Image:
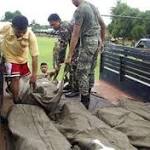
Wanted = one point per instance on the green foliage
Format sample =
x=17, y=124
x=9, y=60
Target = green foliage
x=147, y=22
x=46, y=50
x=10, y=15
x=35, y=26
x=138, y=32
x=126, y=27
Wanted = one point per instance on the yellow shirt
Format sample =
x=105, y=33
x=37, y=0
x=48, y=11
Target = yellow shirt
x=15, y=50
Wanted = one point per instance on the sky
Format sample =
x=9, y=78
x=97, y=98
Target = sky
x=39, y=10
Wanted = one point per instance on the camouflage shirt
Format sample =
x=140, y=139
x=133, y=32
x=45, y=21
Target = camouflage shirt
x=86, y=15
x=64, y=34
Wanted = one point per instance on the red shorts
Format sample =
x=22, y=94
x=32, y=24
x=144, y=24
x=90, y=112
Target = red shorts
x=13, y=70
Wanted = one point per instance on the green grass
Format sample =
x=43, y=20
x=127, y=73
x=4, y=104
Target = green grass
x=46, y=51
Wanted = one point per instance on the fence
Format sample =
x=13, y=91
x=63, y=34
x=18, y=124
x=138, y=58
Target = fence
x=127, y=68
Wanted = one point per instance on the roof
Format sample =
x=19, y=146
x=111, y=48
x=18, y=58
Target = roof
x=145, y=39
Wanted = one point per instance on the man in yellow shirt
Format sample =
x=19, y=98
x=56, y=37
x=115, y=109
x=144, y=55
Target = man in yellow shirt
x=17, y=40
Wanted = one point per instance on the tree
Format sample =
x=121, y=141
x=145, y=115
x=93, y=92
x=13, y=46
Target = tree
x=138, y=32
x=10, y=15
x=135, y=26
x=147, y=22
x=35, y=26
x=120, y=27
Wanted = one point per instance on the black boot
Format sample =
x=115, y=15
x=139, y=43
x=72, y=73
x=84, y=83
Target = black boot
x=85, y=100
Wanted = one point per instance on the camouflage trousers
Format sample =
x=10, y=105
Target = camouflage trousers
x=85, y=71
x=59, y=57
x=73, y=81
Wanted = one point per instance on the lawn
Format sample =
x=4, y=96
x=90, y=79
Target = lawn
x=46, y=48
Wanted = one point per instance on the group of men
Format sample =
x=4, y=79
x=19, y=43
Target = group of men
x=85, y=35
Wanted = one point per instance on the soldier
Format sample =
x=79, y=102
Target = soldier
x=64, y=30
x=73, y=79
x=90, y=27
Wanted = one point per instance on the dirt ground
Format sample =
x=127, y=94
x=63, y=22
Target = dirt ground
x=111, y=92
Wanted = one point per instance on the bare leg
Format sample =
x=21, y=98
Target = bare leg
x=15, y=88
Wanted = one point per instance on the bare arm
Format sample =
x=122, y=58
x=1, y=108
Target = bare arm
x=103, y=29
x=34, y=65
x=34, y=54
x=34, y=71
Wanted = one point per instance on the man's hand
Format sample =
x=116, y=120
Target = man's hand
x=52, y=73
x=33, y=81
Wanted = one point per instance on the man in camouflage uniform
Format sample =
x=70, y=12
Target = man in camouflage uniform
x=90, y=27
x=64, y=30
